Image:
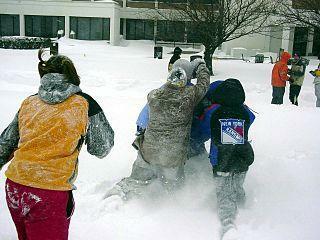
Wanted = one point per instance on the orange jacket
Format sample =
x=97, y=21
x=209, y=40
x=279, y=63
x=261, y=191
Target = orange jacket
x=47, y=155
x=280, y=71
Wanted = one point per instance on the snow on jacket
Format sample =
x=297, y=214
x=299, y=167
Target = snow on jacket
x=280, y=71
x=143, y=118
x=298, y=70
x=166, y=139
x=230, y=121
x=47, y=133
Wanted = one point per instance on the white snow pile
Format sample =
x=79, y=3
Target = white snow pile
x=282, y=186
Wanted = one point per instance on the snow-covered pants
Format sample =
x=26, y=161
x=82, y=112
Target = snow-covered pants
x=144, y=173
x=294, y=92
x=277, y=95
x=230, y=194
x=317, y=93
x=39, y=214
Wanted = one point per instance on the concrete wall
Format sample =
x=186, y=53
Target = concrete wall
x=256, y=41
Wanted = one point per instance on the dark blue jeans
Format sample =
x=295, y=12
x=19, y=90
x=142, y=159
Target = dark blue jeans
x=277, y=95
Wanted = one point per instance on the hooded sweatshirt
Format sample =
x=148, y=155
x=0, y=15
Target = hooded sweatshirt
x=48, y=132
x=230, y=121
x=280, y=71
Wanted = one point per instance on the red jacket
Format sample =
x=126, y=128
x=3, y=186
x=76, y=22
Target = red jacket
x=280, y=71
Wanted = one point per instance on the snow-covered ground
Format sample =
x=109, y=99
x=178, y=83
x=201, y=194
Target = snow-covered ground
x=283, y=187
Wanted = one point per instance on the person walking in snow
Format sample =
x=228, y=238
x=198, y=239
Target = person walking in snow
x=296, y=73
x=176, y=56
x=279, y=78
x=42, y=144
x=316, y=82
x=231, y=153
x=163, y=147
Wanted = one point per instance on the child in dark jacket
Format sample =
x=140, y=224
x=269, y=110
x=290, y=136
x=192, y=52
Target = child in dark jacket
x=231, y=153
x=176, y=56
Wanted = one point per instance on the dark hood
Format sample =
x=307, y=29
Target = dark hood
x=229, y=93
x=54, y=88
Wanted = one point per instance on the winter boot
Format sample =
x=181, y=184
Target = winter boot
x=231, y=234
x=116, y=191
x=228, y=232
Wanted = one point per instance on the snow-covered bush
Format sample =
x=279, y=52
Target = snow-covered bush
x=24, y=42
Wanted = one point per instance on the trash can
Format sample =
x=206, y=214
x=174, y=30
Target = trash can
x=54, y=48
x=158, y=52
x=193, y=57
x=259, y=58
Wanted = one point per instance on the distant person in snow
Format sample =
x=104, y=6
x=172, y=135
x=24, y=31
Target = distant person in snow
x=297, y=72
x=43, y=143
x=176, y=55
x=231, y=153
x=279, y=78
x=163, y=145
x=316, y=82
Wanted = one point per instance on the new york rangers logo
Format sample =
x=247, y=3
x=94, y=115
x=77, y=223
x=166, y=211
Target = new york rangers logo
x=232, y=131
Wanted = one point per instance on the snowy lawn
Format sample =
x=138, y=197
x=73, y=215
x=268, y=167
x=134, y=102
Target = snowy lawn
x=282, y=186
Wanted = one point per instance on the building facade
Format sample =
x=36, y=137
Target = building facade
x=133, y=20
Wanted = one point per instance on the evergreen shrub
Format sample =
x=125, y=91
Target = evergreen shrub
x=24, y=42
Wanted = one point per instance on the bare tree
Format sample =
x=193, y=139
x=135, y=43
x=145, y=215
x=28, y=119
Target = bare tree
x=299, y=12
x=217, y=21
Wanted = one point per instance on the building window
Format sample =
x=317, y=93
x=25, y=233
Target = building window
x=300, y=40
x=86, y=28
x=43, y=26
x=170, y=31
x=139, y=29
x=316, y=43
x=9, y=25
x=193, y=35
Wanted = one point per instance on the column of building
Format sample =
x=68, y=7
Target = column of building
x=22, y=25
x=115, y=26
x=287, y=39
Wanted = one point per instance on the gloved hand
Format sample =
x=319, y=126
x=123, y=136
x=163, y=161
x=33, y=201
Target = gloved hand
x=195, y=65
x=312, y=73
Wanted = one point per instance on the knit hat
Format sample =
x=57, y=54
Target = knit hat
x=177, y=77
x=177, y=50
x=229, y=93
x=186, y=66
